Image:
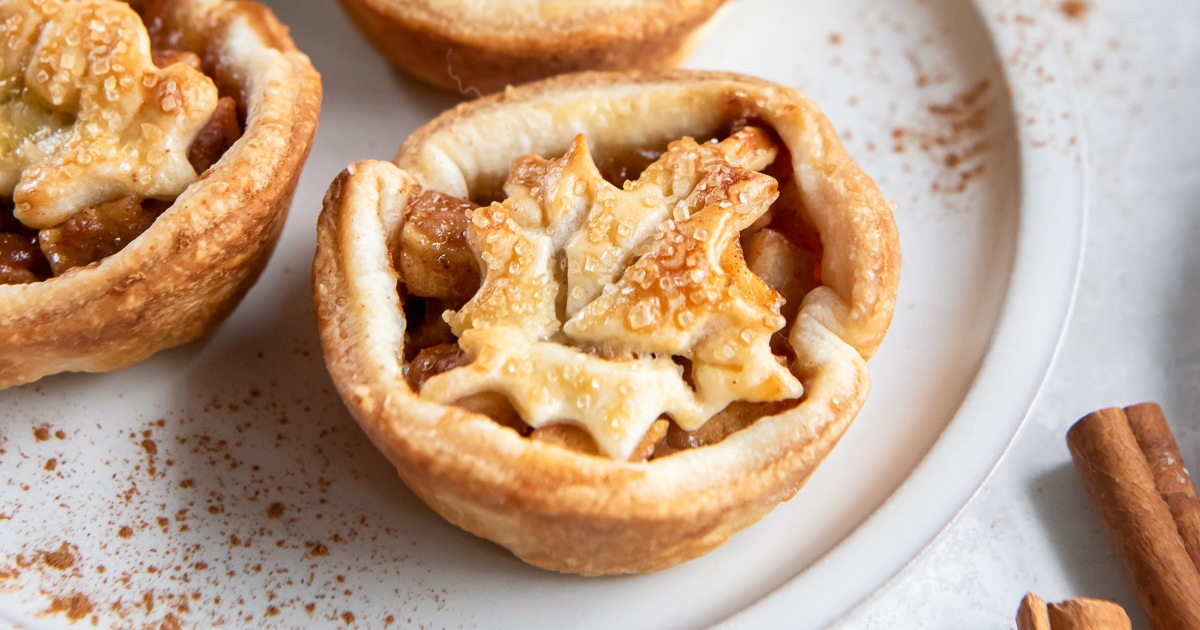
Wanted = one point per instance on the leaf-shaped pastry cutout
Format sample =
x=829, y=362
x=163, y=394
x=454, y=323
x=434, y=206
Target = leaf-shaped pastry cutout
x=547, y=382
x=621, y=221
x=88, y=116
x=640, y=276
x=692, y=296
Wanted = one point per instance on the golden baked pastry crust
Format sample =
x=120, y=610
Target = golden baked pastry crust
x=185, y=273
x=480, y=47
x=551, y=506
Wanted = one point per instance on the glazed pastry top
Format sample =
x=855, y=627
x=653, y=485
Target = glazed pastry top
x=87, y=114
x=595, y=297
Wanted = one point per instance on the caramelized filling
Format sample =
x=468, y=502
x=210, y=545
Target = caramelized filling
x=434, y=360
x=96, y=232
x=433, y=256
x=440, y=277
x=21, y=260
x=216, y=136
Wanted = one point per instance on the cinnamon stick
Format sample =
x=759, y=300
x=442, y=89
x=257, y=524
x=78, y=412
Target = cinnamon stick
x=1154, y=438
x=1122, y=487
x=1185, y=510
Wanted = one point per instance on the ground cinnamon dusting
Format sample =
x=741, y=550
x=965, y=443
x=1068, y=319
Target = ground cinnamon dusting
x=1075, y=9
x=76, y=606
x=61, y=559
x=244, y=528
x=958, y=133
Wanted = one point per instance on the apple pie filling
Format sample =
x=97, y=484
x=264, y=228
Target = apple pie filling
x=102, y=125
x=629, y=321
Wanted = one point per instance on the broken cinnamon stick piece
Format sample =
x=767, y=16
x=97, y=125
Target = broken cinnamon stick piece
x=1082, y=613
x=1088, y=614
x=1033, y=614
x=1138, y=522
x=1154, y=438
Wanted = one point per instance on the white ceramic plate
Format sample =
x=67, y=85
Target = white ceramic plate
x=223, y=482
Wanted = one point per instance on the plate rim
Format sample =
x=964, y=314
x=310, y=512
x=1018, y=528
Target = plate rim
x=1042, y=168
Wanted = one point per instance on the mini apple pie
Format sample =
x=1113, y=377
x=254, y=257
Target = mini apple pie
x=149, y=155
x=607, y=320
x=480, y=47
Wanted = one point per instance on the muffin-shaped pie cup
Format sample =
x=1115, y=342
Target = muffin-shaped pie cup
x=182, y=276
x=476, y=48
x=555, y=507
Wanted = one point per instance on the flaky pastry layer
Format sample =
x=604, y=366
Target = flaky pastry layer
x=552, y=506
x=480, y=47
x=185, y=273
